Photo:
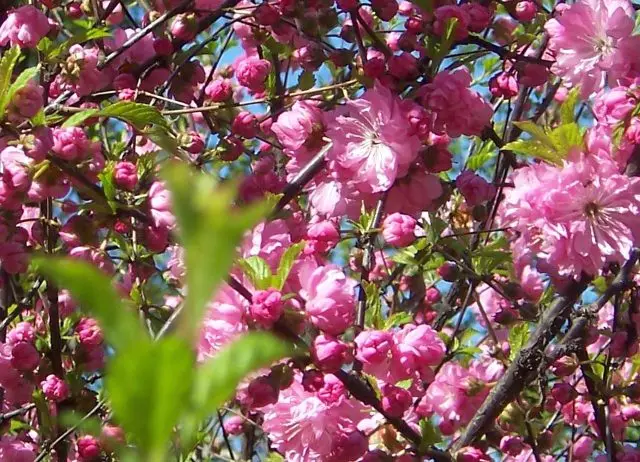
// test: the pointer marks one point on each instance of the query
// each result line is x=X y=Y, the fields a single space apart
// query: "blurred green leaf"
x=94 y=293
x=210 y=228
x=216 y=380
x=430 y=434
x=148 y=388
x=7 y=63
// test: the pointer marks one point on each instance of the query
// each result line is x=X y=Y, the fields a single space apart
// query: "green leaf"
x=217 y=379
x=426 y=5
x=568 y=107
x=398 y=319
x=567 y=137
x=257 y=270
x=537 y=132
x=549 y=145
x=94 y=293
x=274 y=457
x=162 y=138
x=210 y=228
x=430 y=434
x=286 y=263
x=7 y=63
x=137 y=114
x=306 y=80
x=79 y=117
x=535 y=149
x=108 y=185
x=52 y=52
x=518 y=336
x=373 y=315
x=148 y=387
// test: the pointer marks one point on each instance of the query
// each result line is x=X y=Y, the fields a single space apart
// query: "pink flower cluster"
x=575 y=218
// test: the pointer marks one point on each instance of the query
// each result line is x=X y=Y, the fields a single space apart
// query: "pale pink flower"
x=224 y=321
x=372 y=140
x=592 y=40
x=454 y=395
x=303 y=427
x=575 y=218
x=160 y=205
x=24 y=27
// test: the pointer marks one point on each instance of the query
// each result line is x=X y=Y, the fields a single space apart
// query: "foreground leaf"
x=95 y=295
x=148 y=387
x=210 y=229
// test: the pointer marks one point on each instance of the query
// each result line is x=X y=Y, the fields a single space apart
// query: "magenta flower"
x=372 y=140
x=592 y=40
x=302 y=427
x=301 y=124
x=24 y=27
x=330 y=296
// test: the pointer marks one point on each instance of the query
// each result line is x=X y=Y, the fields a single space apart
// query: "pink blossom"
x=219 y=90
x=160 y=205
x=89 y=333
x=329 y=353
x=300 y=125
x=223 y=322
x=479 y=16
x=330 y=297
x=592 y=39
x=348 y=447
x=416 y=348
x=321 y=237
x=472 y=454
x=372 y=140
x=446 y=13
x=504 y=85
x=208 y=5
x=458 y=109
x=474 y=188
x=266 y=307
x=573 y=218
x=70 y=143
x=454 y=395
x=373 y=347
x=24 y=27
x=385 y=9
x=24 y=356
x=21 y=332
x=54 y=388
x=245 y=124
x=125 y=175
x=303 y=428
x=395 y=400
x=26 y=102
x=526 y=10
x=414 y=194
x=398 y=229
x=15 y=169
x=16 y=450
x=234 y=425
x=252 y=73
x=88 y=448
x=403 y=66
x=80 y=72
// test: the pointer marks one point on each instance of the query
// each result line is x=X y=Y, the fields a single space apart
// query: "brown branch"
x=527 y=360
